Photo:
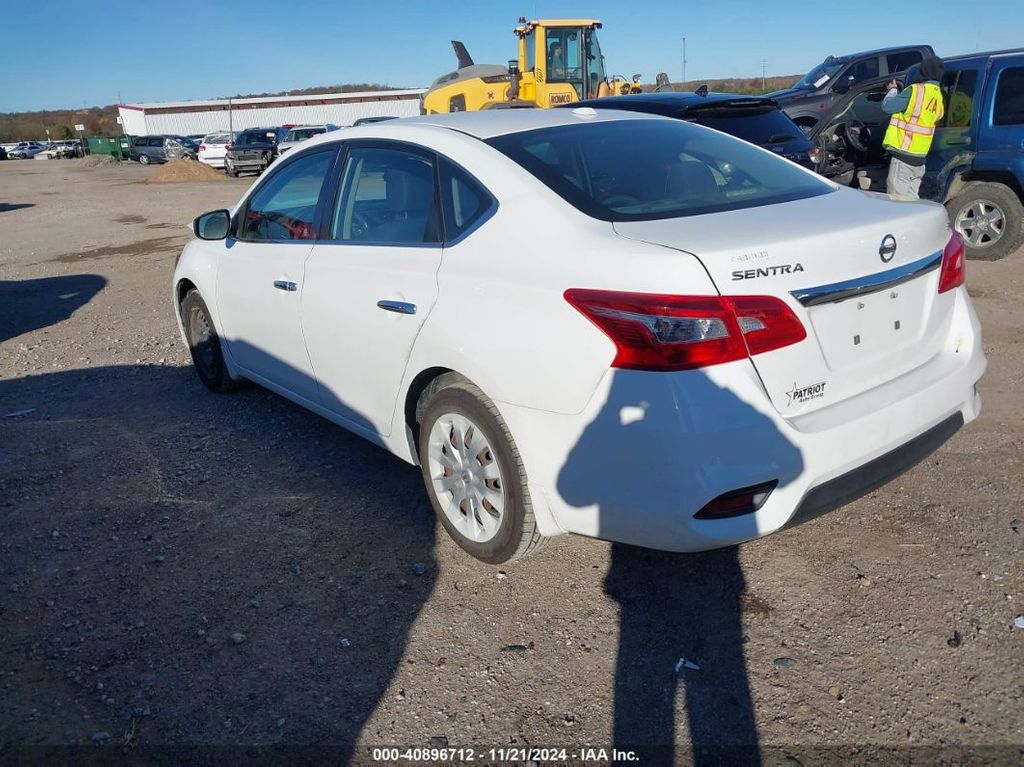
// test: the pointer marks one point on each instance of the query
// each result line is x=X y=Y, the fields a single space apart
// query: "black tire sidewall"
x=504 y=545
x=1013 y=213
x=217 y=379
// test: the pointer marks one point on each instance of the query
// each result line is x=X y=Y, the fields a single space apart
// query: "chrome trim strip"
x=872 y=283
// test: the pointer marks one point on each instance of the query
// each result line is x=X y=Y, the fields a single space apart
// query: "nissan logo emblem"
x=887 y=250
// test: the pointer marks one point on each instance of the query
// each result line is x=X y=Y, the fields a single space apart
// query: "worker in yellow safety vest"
x=915 y=110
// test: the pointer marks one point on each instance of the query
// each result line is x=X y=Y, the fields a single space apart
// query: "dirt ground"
x=179 y=568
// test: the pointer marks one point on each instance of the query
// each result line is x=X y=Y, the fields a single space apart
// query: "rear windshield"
x=216 y=138
x=258 y=138
x=640 y=170
x=758 y=125
x=301 y=134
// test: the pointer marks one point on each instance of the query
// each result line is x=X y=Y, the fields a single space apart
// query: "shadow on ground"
x=27 y=305
x=183 y=568
x=5 y=207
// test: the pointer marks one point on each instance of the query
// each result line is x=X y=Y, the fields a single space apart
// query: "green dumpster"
x=115 y=146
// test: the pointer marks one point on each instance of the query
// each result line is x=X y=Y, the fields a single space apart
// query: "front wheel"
x=144 y=159
x=473 y=473
x=204 y=343
x=990 y=218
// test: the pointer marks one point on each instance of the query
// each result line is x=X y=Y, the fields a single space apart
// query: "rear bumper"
x=651 y=449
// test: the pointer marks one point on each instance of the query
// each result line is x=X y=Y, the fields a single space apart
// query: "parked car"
x=251 y=151
x=817 y=91
x=752 y=118
x=161 y=148
x=25 y=150
x=591 y=321
x=300 y=133
x=213 y=147
x=60 y=150
x=976 y=163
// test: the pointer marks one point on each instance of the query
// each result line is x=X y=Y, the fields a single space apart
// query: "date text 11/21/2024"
x=502 y=754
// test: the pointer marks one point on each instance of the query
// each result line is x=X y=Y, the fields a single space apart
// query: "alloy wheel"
x=981 y=223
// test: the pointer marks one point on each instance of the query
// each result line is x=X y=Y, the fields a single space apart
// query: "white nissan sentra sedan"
x=596 y=322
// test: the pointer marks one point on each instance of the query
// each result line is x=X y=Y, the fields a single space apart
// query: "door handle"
x=285 y=285
x=401 y=307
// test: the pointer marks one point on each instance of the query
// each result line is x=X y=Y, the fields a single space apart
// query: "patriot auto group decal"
x=800 y=394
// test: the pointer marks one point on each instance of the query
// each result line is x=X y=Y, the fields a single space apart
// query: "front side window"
x=284 y=206
x=565 y=57
x=1009 y=104
x=158 y=141
x=387 y=197
x=865 y=69
x=958 y=92
x=901 y=62
x=595 y=64
x=639 y=170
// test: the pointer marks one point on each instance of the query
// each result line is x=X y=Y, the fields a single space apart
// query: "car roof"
x=880 y=51
x=489 y=123
x=984 y=54
x=673 y=100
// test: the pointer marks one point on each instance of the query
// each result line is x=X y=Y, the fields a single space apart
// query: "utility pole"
x=764 y=68
x=684 y=59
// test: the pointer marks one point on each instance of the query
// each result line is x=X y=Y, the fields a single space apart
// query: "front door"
x=261 y=272
x=370 y=288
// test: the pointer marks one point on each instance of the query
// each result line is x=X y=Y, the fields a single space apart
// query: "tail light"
x=953 y=264
x=227 y=147
x=202 y=147
x=661 y=332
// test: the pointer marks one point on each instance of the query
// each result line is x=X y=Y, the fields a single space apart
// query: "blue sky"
x=187 y=49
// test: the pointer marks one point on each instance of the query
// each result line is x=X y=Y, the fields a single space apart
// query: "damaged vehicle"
x=976 y=163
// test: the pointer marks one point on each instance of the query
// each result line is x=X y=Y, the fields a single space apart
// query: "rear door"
x=1001 y=138
x=370 y=286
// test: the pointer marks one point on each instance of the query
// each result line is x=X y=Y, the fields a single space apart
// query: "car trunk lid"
x=871 y=310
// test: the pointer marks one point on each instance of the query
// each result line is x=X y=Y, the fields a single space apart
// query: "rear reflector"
x=662 y=332
x=735 y=503
x=953 y=264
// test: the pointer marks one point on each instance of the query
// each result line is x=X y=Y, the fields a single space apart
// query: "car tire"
x=204 y=344
x=981 y=208
x=473 y=473
x=144 y=159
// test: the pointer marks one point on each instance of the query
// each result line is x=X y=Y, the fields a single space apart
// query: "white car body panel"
x=619 y=454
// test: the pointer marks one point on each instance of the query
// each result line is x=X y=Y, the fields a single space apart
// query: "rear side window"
x=463 y=200
x=1009 y=104
x=639 y=170
x=387 y=197
x=284 y=206
x=900 y=62
x=158 y=141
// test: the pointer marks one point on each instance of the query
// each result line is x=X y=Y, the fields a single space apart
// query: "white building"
x=194 y=117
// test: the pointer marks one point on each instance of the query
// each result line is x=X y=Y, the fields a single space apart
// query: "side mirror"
x=213 y=225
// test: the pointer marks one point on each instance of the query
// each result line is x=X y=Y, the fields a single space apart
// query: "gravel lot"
x=179 y=568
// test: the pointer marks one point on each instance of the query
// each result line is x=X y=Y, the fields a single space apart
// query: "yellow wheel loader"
x=559 y=62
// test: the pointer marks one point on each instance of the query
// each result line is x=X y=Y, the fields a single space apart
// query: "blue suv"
x=976 y=163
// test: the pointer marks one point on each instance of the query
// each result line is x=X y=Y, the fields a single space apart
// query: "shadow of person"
x=194 y=569
x=27 y=305
x=661 y=446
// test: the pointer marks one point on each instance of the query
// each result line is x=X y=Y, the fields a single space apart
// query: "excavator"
x=559 y=62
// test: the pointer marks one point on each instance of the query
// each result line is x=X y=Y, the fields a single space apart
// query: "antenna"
x=684 y=59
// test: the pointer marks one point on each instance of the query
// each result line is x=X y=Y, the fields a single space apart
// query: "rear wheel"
x=990 y=218
x=473 y=473
x=204 y=343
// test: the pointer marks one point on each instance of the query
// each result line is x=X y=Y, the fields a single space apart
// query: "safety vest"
x=911 y=131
